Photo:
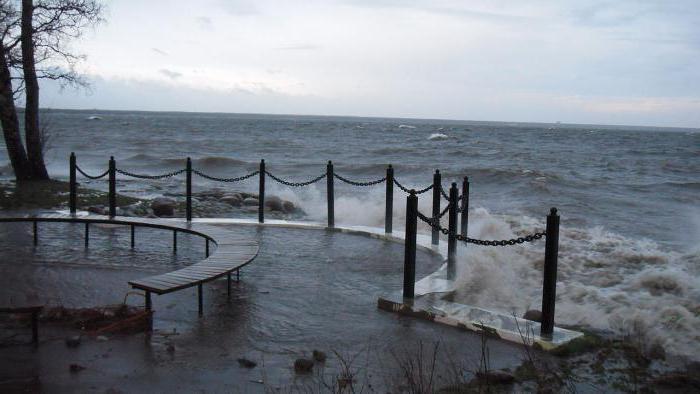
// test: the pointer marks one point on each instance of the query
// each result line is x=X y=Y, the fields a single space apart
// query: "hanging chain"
x=237 y=179
x=162 y=176
x=407 y=190
x=86 y=175
x=296 y=184
x=356 y=183
x=460 y=237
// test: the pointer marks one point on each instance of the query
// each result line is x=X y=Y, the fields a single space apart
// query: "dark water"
x=629 y=197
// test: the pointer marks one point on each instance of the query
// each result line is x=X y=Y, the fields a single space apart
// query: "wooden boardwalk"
x=233 y=250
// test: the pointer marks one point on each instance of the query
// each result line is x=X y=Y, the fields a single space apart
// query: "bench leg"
x=238 y=276
x=35 y=327
x=228 y=283
x=148 y=300
x=199 y=296
x=132 y=237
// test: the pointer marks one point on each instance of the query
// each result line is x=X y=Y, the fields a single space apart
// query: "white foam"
x=438 y=137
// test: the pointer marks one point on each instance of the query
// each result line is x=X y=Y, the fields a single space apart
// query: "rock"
x=274 y=203
x=495 y=377
x=288 y=207
x=250 y=201
x=163 y=206
x=232 y=199
x=657 y=352
x=97 y=209
x=73 y=341
x=319 y=356
x=303 y=365
x=533 y=315
x=74 y=368
x=245 y=363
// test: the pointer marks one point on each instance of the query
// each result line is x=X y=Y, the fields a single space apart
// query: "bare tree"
x=42 y=31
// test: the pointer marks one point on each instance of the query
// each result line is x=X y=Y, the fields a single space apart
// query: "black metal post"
x=148 y=301
x=175 y=241
x=549 y=286
x=452 y=236
x=329 y=193
x=87 y=234
x=228 y=284
x=261 y=193
x=35 y=327
x=206 y=249
x=36 y=233
x=199 y=299
x=188 y=207
x=409 y=260
x=133 y=238
x=464 y=220
x=389 y=216
x=112 y=187
x=73 y=187
x=437 y=185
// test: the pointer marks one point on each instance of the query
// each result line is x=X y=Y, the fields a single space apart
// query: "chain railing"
x=457 y=205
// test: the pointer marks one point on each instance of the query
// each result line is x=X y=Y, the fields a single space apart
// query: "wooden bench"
x=233 y=250
x=232 y=253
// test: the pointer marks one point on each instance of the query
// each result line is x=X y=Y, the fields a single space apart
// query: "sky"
x=598 y=62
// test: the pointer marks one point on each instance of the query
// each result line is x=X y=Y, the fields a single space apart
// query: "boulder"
x=303 y=365
x=533 y=315
x=234 y=199
x=319 y=356
x=163 y=206
x=245 y=363
x=495 y=377
x=288 y=207
x=250 y=201
x=274 y=203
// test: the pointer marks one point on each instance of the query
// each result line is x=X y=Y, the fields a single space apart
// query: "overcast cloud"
x=617 y=62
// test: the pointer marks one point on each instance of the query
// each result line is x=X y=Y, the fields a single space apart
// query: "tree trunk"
x=32 y=132
x=10 y=123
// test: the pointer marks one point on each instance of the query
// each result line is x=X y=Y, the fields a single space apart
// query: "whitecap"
x=438 y=137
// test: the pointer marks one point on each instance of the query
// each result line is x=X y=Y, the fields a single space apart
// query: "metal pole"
x=36 y=233
x=133 y=240
x=549 y=286
x=188 y=207
x=437 y=185
x=464 y=220
x=206 y=249
x=261 y=193
x=228 y=284
x=409 y=260
x=73 y=200
x=175 y=241
x=452 y=236
x=329 y=192
x=87 y=234
x=112 y=187
x=148 y=301
x=199 y=299
x=389 y=216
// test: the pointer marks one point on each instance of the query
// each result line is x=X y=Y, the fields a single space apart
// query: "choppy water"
x=629 y=197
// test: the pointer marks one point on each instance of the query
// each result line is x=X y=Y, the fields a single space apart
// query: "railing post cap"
x=330 y=163
x=553 y=211
x=111 y=158
x=390 y=166
x=454 y=184
x=437 y=171
x=466 y=179
x=262 y=160
x=188 y=158
x=72 y=153
x=412 y=192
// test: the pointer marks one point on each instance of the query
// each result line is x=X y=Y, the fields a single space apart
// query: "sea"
x=628 y=196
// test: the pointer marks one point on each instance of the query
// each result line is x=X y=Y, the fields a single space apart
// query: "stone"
x=245 y=363
x=303 y=365
x=274 y=203
x=288 y=207
x=97 y=209
x=250 y=201
x=73 y=341
x=533 y=315
x=163 y=206
x=496 y=377
x=319 y=356
x=74 y=368
x=657 y=352
x=232 y=199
